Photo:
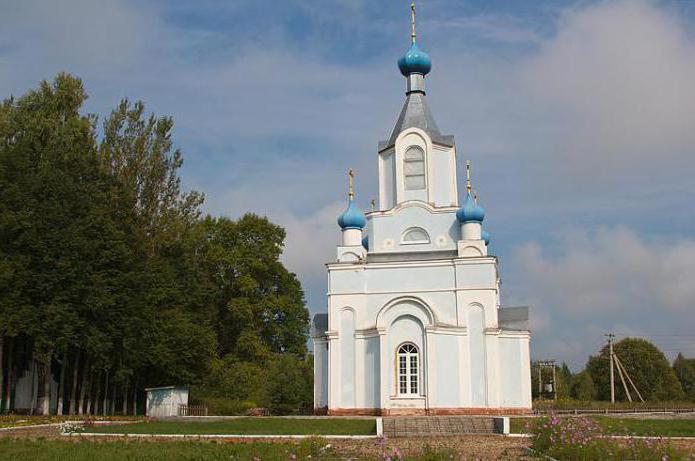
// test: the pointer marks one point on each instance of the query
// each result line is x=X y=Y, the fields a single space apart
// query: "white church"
x=414 y=322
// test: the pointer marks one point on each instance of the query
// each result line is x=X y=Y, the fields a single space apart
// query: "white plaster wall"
x=510 y=356
x=443 y=182
x=320 y=373
x=476 y=347
x=447 y=371
x=387 y=229
x=371 y=397
x=347 y=351
x=387 y=180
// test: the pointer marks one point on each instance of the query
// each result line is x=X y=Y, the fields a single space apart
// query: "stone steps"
x=437 y=426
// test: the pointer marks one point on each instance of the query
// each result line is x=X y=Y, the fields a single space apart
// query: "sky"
x=578 y=117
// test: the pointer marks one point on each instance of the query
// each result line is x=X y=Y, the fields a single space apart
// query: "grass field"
x=627 y=426
x=314 y=449
x=45 y=450
x=259 y=426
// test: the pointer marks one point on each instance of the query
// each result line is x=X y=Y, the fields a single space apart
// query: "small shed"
x=165 y=401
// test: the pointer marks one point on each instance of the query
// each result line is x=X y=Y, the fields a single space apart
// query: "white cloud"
x=607 y=279
x=617 y=84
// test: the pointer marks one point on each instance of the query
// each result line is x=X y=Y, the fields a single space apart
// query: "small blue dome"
x=414 y=61
x=470 y=211
x=352 y=218
x=486 y=237
x=365 y=242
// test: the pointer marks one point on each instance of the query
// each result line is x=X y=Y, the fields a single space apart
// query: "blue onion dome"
x=365 y=242
x=414 y=61
x=485 y=235
x=352 y=218
x=470 y=211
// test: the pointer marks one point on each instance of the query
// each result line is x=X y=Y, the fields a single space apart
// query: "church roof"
x=319 y=325
x=513 y=318
x=416 y=114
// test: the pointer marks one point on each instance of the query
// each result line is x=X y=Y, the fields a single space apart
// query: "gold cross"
x=412 y=21
x=468 y=175
x=351 y=175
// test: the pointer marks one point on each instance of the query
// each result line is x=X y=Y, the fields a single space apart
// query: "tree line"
x=111 y=279
x=647 y=366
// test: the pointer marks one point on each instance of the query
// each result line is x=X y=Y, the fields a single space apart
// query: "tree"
x=646 y=365
x=685 y=372
x=582 y=387
x=109 y=279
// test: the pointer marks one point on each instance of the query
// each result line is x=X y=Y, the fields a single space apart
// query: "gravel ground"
x=474 y=447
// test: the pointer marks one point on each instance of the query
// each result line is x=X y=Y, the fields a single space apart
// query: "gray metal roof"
x=513 y=318
x=416 y=113
x=319 y=325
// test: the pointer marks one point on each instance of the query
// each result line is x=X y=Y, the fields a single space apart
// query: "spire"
x=413 y=35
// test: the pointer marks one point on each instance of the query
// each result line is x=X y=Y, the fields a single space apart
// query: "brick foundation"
x=423 y=412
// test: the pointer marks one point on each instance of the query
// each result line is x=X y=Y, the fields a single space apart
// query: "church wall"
x=320 y=374
x=371 y=382
x=387 y=180
x=511 y=355
x=347 y=352
x=448 y=371
x=477 y=360
x=386 y=232
x=443 y=184
x=416 y=278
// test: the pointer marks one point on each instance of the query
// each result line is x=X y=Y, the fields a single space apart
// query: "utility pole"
x=610 y=337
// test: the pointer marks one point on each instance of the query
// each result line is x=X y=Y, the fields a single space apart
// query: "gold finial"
x=351 y=175
x=468 y=176
x=412 y=21
x=373 y=203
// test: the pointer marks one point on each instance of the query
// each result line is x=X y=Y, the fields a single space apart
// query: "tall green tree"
x=646 y=365
x=110 y=281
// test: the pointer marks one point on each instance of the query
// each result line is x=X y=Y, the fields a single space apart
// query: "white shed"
x=165 y=401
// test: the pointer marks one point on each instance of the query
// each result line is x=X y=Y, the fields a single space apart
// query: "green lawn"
x=633 y=426
x=260 y=426
x=626 y=426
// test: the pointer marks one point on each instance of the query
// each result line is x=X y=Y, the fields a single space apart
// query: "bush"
x=283 y=383
x=221 y=406
x=580 y=438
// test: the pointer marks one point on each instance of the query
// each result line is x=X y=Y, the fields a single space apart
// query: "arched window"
x=414 y=168
x=416 y=235
x=408 y=369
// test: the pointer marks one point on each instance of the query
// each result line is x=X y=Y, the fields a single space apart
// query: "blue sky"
x=578 y=116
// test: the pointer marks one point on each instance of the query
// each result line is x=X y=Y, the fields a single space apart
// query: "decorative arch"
x=471 y=251
x=415 y=235
x=408 y=369
x=414 y=168
x=407 y=305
